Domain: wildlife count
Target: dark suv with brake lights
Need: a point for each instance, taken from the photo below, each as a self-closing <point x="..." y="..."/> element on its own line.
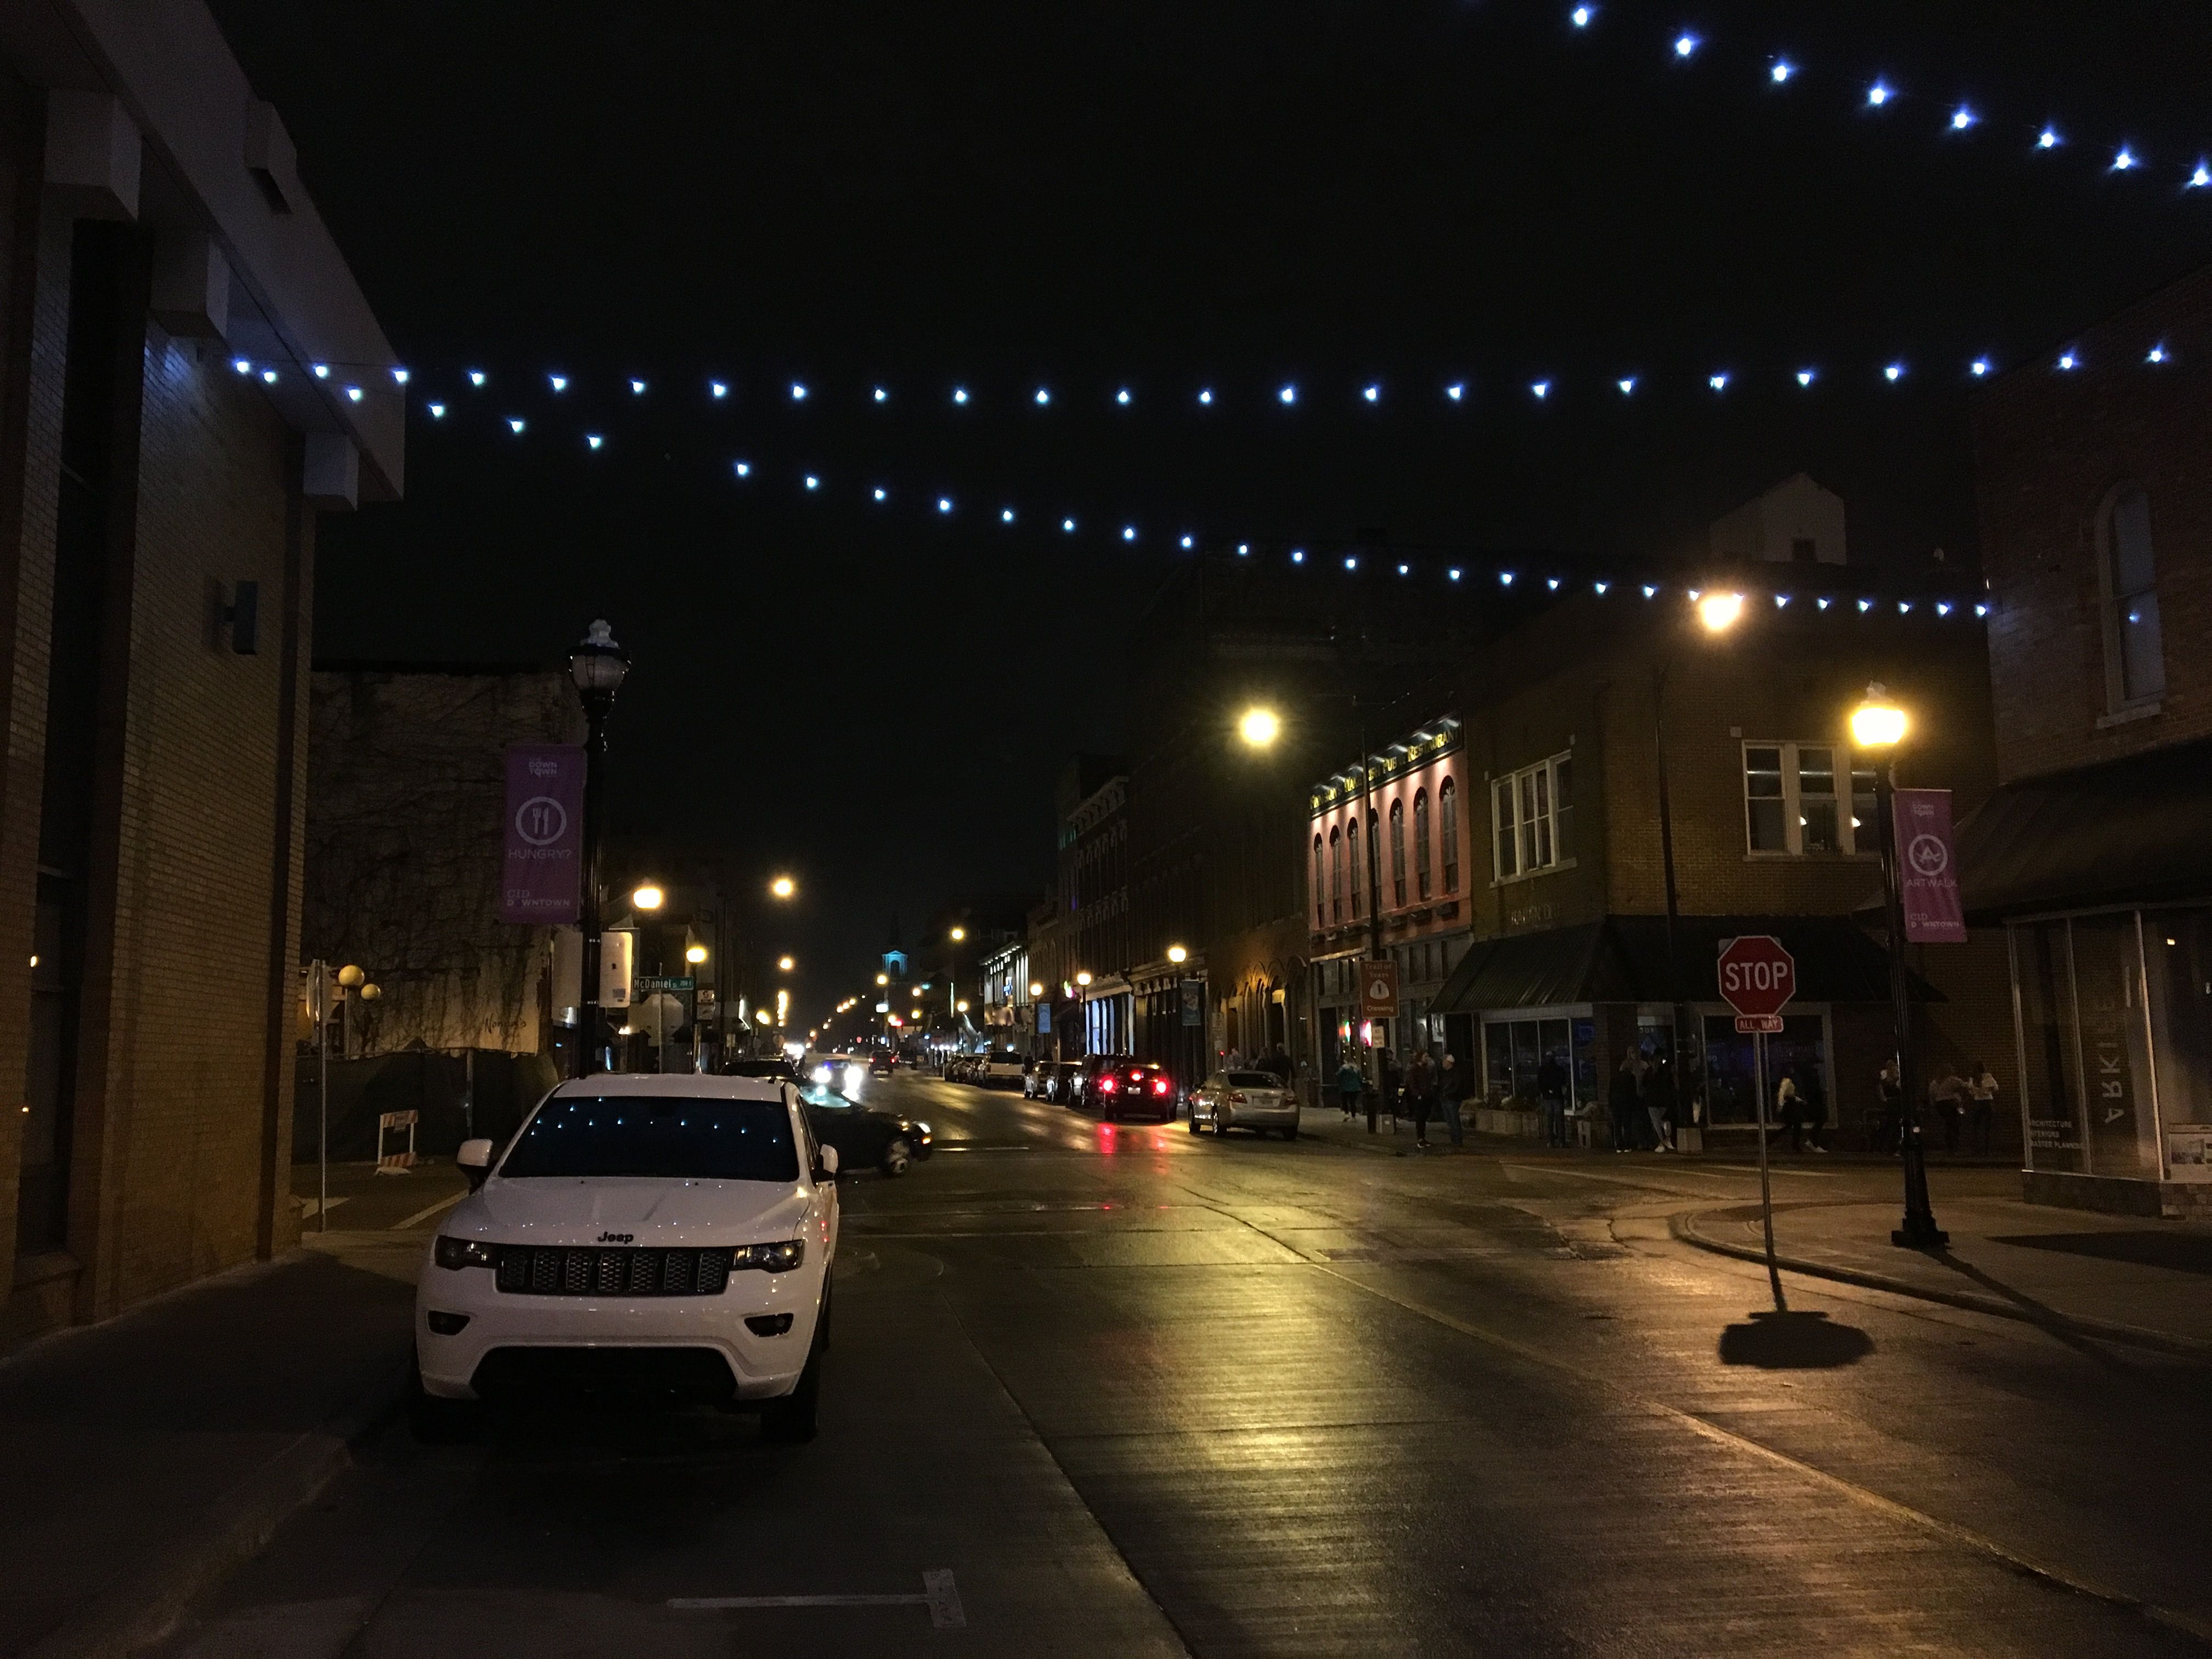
<point x="1116" y="1086"/>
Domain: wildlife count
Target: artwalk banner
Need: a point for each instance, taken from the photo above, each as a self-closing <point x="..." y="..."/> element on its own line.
<point x="1926" y="869"/>
<point x="542" y="877"/>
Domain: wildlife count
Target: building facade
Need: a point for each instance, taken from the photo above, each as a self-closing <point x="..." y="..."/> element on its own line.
<point x="2094" y="491"/>
<point x="165" y="450"/>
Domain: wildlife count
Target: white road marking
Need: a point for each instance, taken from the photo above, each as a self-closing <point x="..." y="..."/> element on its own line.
<point x="422" y="1216"/>
<point x="938" y="1595"/>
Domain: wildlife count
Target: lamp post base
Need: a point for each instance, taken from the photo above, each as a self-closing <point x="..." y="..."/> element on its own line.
<point x="1919" y="1235"/>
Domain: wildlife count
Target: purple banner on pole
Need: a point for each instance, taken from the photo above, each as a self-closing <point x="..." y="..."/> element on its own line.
<point x="1926" y="869"/>
<point x="542" y="879"/>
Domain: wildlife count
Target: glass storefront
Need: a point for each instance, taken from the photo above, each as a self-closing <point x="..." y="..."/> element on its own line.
<point x="1514" y="1051"/>
<point x="2115" y="1030"/>
<point x="1800" y="1048"/>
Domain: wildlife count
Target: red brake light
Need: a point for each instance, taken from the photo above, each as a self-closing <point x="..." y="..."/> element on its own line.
<point x="1159" y="1088"/>
<point x="1236" y="1096"/>
<point x="1106" y="1085"/>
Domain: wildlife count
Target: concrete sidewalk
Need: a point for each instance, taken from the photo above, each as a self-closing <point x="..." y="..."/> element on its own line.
<point x="2125" y="1277"/>
<point x="145" y="1457"/>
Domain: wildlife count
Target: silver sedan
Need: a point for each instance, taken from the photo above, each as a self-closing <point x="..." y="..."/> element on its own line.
<point x="1244" y="1100"/>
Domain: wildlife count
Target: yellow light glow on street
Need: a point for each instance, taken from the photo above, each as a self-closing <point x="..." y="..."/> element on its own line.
<point x="1082" y="978"/>
<point x="695" y="954"/>
<point x="1260" y="727"/>
<point x="959" y="933"/>
<point x="1720" y="611"/>
<point x="786" y="963"/>
<point x="1878" y="723"/>
<point x="783" y="887"/>
<point x="1177" y="953"/>
<point x="648" y="898"/>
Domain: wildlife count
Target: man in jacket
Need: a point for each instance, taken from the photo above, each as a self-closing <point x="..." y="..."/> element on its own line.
<point x="1451" y="1093"/>
<point x="1625" y="1101"/>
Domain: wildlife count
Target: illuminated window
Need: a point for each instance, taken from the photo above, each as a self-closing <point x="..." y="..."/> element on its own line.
<point x="1447" y="814"/>
<point x="1398" y="854"/>
<point x="1534" y="819"/>
<point x="2135" y="647"/>
<point x="1335" y="877"/>
<point x="1320" y="893"/>
<point x="1421" y="844"/>
<point x="1351" y="860"/>
<point x="1793" y="804"/>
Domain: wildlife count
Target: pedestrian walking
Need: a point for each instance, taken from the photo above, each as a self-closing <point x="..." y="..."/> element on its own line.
<point x="1451" y="1094"/>
<point x="1790" y="1111"/>
<point x="1981" y="1105"/>
<point x="1625" y="1101"/>
<point x="1351" y="1084"/>
<point x="1889" y="1136"/>
<point x="1552" y="1089"/>
<point x="1388" y="1081"/>
<point x="1421" y="1095"/>
<point x="1947" y="1103"/>
<point x="1659" y="1102"/>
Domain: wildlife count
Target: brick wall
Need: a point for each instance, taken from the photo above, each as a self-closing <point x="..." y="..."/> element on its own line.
<point x="2050" y="449"/>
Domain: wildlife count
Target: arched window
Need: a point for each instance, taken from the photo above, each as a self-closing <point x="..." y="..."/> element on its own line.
<point x="1371" y="871"/>
<point x="1352" y="862"/>
<point x="1320" y="894"/>
<point x="1421" y="844"/>
<point x="1447" y="813"/>
<point x="1335" y="876"/>
<point x="2134" y="648"/>
<point x="1397" y="855"/>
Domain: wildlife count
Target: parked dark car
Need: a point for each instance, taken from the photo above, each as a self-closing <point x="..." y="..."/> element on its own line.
<point x="760" y="1066"/>
<point x="1048" y="1081"/>
<point x="866" y="1139"/>
<point x="1118" y="1085"/>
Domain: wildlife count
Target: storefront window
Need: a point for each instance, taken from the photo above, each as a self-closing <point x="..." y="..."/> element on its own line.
<point x="2115" y="1036"/>
<point x="1731" y="1093"/>
<point x="2043" y="977"/>
<point x="2178" y="947"/>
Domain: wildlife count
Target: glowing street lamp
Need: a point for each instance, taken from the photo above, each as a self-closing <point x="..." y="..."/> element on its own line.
<point x="883" y="979"/>
<point x="959" y="933"/>
<point x="1036" y="990"/>
<point x="695" y="954"/>
<point x="1260" y="727"/>
<point x="1720" y="611"/>
<point x="786" y="963"/>
<point x="783" y="887"/>
<point x="648" y="897"/>
<point x="1177" y="953"/>
<point x="1879" y="727"/>
<point x="597" y="668"/>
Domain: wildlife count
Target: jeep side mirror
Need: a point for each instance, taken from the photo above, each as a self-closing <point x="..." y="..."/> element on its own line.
<point x="825" y="1162"/>
<point x="474" y="1160"/>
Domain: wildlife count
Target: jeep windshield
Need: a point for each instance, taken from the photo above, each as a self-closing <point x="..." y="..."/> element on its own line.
<point x="688" y="1138"/>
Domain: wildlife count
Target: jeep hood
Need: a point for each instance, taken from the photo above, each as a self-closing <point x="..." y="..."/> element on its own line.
<point x="568" y="1210"/>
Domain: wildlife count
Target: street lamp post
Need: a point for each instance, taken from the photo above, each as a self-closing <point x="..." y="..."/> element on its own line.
<point x="598" y="667"/>
<point x="1878" y="726"/>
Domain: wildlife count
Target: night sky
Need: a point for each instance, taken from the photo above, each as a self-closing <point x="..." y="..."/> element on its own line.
<point x="1161" y="197"/>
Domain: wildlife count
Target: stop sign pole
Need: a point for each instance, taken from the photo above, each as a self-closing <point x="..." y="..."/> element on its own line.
<point x="1758" y="976"/>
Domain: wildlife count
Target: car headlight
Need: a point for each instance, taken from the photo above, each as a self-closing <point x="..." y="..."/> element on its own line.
<point x="457" y="1253"/>
<point x="771" y="1258"/>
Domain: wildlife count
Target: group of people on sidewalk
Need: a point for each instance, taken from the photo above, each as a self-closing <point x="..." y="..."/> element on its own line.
<point x="1423" y="1089"/>
<point x="1643" y="1100"/>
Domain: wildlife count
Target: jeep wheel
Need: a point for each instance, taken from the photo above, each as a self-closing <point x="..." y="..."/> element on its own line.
<point x="897" y="1157"/>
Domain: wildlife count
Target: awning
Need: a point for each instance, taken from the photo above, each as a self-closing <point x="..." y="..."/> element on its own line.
<point x="1624" y="959"/>
<point x="2126" y="831"/>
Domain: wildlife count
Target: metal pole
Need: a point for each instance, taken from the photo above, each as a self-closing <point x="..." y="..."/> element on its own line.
<point x="584" y="1061"/>
<point x="1680" y="1016"/>
<point x="1765" y="1189"/>
<point x="323" y="1094"/>
<point x="1918" y="1231"/>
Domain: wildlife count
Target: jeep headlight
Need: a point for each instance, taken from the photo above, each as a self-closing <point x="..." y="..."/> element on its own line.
<point x="771" y="1258"/>
<point x="457" y="1253"/>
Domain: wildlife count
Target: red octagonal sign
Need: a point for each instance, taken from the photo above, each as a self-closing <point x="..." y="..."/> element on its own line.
<point x="1757" y="977"/>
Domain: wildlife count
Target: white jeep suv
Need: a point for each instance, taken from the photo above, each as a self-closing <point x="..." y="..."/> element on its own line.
<point x="669" y="1236"/>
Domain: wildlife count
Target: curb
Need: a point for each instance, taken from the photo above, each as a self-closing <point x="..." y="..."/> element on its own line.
<point x="1683" y="1226"/>
<point x="146" y="1604"/>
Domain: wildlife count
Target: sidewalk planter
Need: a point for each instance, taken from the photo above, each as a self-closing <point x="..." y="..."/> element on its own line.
<point x="1509" y="1121"/>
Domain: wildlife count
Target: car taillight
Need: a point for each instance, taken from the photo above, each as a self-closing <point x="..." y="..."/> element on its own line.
<point x="1236" y="1096"/>
<point x="1105" y="1085"/>
<point x="1160" y="1087"/>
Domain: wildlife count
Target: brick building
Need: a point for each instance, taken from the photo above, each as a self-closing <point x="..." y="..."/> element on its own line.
<point x="2094" y="486"/>
<point x="1512" y="852"/>
<point x="158" y="505"/>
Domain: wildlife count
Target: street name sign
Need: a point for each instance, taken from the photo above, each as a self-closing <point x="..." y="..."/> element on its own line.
<point x="1757" y="977"/>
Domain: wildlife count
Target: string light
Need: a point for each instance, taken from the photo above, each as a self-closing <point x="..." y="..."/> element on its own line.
<point x="593" y="439"/>
<point x="475" y="377"/>
<point x="1122" y="396"/>
<point x="1452" y="573"/>
<point x="514" y="424"/>
<point x="1005" y="515"/>
<point x="2200" y="180"/>
<point x="1298" y="555"/>
<point x="959" y="394"/>
<point x="1893" y="373"/>
<point x="1405" y="570"/>
<point x="1505" y="578"/>
<point x="1205" y="396"/>
<point x="1243" y="550"/>
<point x="2155" y="354"/>
<point x="1962" y="117"/>
<point x="2048" y="139"/>
<point x="269" y="376"/>
<point x="1042" y="396"/>
<point x="2068" y="361"/>
<point x="322" y="371"/>
<point x="399" y="375"/>
<point x="882" y="494"/>
<point x="560" y="382"/>
<point x="1128" y="532"/>
<point x="1865" y="606"/>
<point x="1879" y="94"/>
<point x="437" y="411"/>
<point x="1781" y="601"/>
<point x="1807" y="376"/>
<point x="1541" y="388"/>
<point x="1581" y="16"/>
<point x="1352" y="563"/>
<point x="1600" y="587"/>
<point x="744" y="469"/>
<point x="637" y="388"/>
<point x="1717" y="382"/>
<point x="1373" y="394"/>
<point x="354" y="394"/>
<point x="2125" y="161"/>
<point x="1069" y="526"/>
<point x="814" y="481"/>
<point x="944" y="503"/>
<point x="1687" y="45"/>
<point x="242" y="365"/>
<point x="1650" y="592"/>
<point x="1628" y="387"/>
<point x="1822" y="602"/>
<point x="1289" y="394"/>
<point x="717" y="389"/>
<point x="883" y="396"/>
<point x="1457" y="391"/>
<point x="1980" y="367"/>
<point x="1189" y="542"/>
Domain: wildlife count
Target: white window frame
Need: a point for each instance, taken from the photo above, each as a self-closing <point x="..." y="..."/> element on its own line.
<point x="1847" y="773"/>
<point x="1524" y="792"/>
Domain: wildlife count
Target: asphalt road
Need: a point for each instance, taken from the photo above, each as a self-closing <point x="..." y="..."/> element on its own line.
<point x="1103" y="1389"/>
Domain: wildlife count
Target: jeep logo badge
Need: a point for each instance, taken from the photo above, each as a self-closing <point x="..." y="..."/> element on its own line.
<point x="616" y="1238"/>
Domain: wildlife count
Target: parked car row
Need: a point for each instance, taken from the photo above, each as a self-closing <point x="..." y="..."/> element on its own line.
<point x="999" y="1068"/>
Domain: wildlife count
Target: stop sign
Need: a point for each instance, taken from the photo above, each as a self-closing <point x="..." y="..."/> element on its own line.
<point x="1757" y="975"/>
